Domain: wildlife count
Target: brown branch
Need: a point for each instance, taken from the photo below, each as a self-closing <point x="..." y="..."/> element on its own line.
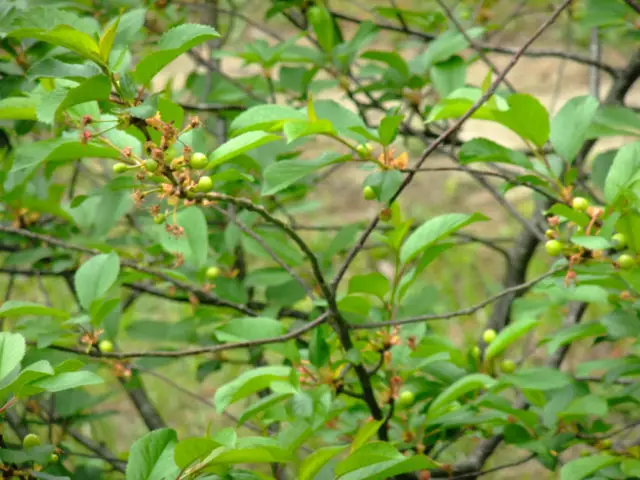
<point x="635" y="4"/>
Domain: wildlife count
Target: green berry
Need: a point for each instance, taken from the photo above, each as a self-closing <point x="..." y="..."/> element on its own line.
<point x="198" y="161"/>
<point x="368" y="193"/>
<point x="105" y="346"/>
<point x="150" y="165"/>
<point x="364" y="150"/>
<point x="305" y="305"/>
<point x="553" y="247"/>
<point x="580" y="204"/>
<point x="489" y="335"/>
<point x="508" y="366"/>
<point x="626" y="261"/>
<point x="160" y="218"/>
<point x="120" y="168"/>
<point x="205" y="184"/>
<point x="619" y="240"/>
<point x="53" y="458"/>
<point x="606" y="443"/>
<point x="212" y="272"/>
<point x="31" y="440"/>
<point x="550" y="234"/>
<point x="476" y="352"/>
<point x="406" y="398"/>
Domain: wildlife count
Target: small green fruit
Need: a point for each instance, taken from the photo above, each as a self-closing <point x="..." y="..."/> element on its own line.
<point x="53" y="458"/>
<point x="476" y="352"/>
<point x="550" y="234"/>
<point x="508" y="366"/>
<point x="305" y="305"/>
<point x="198" y="161"/>
<point x="580" y="204"/>
<point x="553" y="247"/>
<point x="406" y="398"/>
<point x="212" y="272"/>
<point x="160" y="218"/>
<point x="205" y="184"/>
<point x="150" y="165"/>
<point x="120" y="168"/>
<point x="606" y="443"/>
<point x="364" y="150"/>
<point x="626" y="262"/>
<point x="489" y="336"/>
<point x="31" y="440"/>
<point x="619" y="240"/>
<point x="368" y="193"/>
<point x="105" y="346"/>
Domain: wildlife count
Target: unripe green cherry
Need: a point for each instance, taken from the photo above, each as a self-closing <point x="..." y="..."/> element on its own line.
<point x="150" y="165"/>
<point x="368" y="193"/>
<point x="205" y="184"/>
<point x="120" y="168"/>
<point x="364" y="150"/>
<point x="508" y="366"/>
<point x="160" y="218"/>
<point x="198" y="160"/>
<point x="31" y="440"/>
<point x="626" y="262"/>
<point x="212" y="272"/>
<point x="550" y="234"/>
<point x="580" y="204"/>
<point x="619" y="240"/>
<point x="476" y="352"/>
<point x="105" y="346"/>
<point x="553" y="247"/>
<point x="489" y="335"/>
<point x="406" y="398"/>
<point x="53" y="458"/>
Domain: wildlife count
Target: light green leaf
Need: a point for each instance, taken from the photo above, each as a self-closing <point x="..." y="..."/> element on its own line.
<point x="194" y="243"/>
<point x="19" y="386"/>
<point x="322" y="23"/>
<point x="626" y="164"/>
<point x="265" y="117"/>
<point x="295" y="129"/>
<point x="107" y="39"/>
<point x="190" y="450"/>
<point x="64" y="36"/>
<point x="249" y="383"/>
<point x="95" y="88"/>
<point x="239" y="145"/>
<point x="15" y="308"/>
<point x="589" y="405"/>
<point x="540" y="378"/>
<point x="433" y="230"/>
<point x="374" y="283"/>
<point x="630" y="467"/>
<point x="389" y="468"/>
<point x="365" y="433"/>
<point x="95" y="277"/>
<point x="569" y="127"/>
<point x="174" y="43"/>
<point x="485" y="150"/>
<point x="581" y="468"/>
<point x="448" y="76"/>
<point x="527" y="117"/>
<point x="18" y="108"/>
<point x="67" y="380"/>
<point x="12" y="350"/>
<point x="464" y="385"/>
<point x="280" y="175"/>
<point x="312" y="464"/>
<point x="261" y="405"/>
<point x="151" y="457"/>
<point x="574" y="333"/>
<point x="250" y="328"/>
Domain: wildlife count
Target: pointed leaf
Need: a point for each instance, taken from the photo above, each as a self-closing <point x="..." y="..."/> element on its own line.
<point x="151" y="457"/>
<point x="570" y="126"/>
<point x="12" y="350"/>
<point x="95" y="277"/>
<point x="239" y="145"/>
<point x="249" y="383"/>
<point x="13" y="308"/>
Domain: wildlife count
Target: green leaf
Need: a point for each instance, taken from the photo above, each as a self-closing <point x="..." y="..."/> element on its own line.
<point x="319" y="349"/>
<point x="107" y="39"/>
<point x="583" y="467"/>
<point x="295" y="129"/>
<point x="448" y="76"/>
<point x="388" y="129"/>
<point x="151" y="457"/>
<point x="322" y="24"/>
<point x="540" y="378"/>
<point x="68" y="380"/>
<point x="194" y="243"/>
<point x="570" y="125"/>
<point x="265" y="117"/>
<point x="625" y="165"/>
<point x="95" y="277"/>
<point x="250" y="328"/>
<point x="464" y="385"/>
<point x="64" y="36"/>
<point x="485" y="150"/>
<point x="527" y="117"/>
<point x="262" y="405"/>
<point x="574" y="333"/>
<point x="312" y="464"/>
<point x="18" y="108"/>
<point x="239" y="145"/>
<point x="249" y="383"/>
<point x="280" y="175"/>
<point x="589" y="405"/>
<point x="15" y="308"/>
<point x="433" y="230"/>
<point x="445" y="46"/>
<point x="95" y="88"/>
<point x="365" y="433"/>
<point x="174" y="43"/>
<point x="12" y="350"/>
<point x="374" y="283"/>
<point x="191" y="450"/>
<point x="389" y="468"/>
<point x="508" y="336"/>
<point x="592" y="242"/>
<point x="20" y="385"/>
<point x="630" y="467"/>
